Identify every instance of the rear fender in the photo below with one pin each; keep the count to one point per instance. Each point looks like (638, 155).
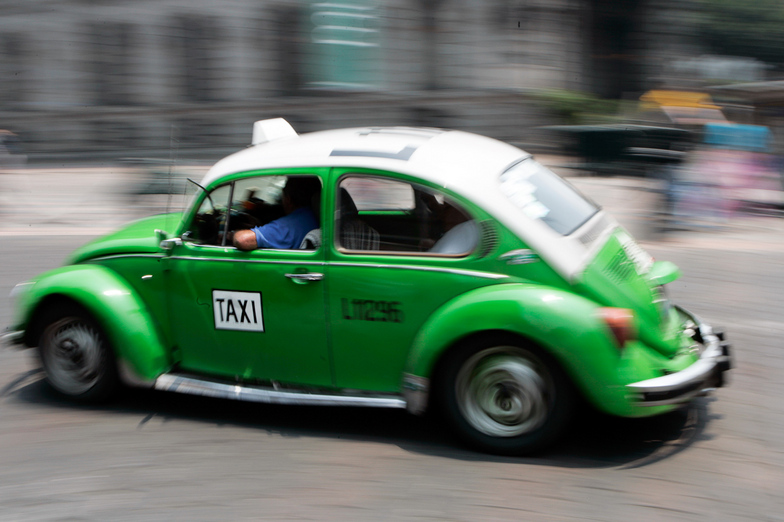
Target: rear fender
(564, 324)
(113, 303)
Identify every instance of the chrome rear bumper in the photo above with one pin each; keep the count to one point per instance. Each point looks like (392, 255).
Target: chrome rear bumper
(702, 377)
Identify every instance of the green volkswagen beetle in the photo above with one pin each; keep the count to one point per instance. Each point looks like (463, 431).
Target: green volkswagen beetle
(431, 270)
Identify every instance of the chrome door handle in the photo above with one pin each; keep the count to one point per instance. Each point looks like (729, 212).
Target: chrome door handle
(305, 278)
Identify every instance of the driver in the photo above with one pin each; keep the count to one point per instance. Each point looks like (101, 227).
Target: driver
(288, 231)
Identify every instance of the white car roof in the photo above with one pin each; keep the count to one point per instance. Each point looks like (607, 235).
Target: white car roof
(468, 164)
(457, 160)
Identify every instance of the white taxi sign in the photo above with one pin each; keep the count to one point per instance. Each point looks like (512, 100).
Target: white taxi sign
(237, 311)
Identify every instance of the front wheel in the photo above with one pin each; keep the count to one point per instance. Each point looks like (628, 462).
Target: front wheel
(76, 355)
(503, 397)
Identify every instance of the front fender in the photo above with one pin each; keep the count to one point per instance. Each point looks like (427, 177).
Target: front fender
(113, 303)
(564, 324)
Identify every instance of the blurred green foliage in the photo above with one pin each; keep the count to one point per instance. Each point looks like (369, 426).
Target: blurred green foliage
(750, 28)
(575, 108)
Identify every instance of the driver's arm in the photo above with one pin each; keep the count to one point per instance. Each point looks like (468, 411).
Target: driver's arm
(245, 240)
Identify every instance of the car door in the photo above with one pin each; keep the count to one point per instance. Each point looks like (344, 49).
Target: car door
(384, 280)
(255, 315)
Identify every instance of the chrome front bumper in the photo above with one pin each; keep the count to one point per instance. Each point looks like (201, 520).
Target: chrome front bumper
(702, 377)
(11, 337)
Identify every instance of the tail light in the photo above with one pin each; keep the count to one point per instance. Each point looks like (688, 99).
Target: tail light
(621, 323)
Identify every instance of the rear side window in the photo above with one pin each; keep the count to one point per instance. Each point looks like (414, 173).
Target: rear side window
(541, 194)
(379, 193)
(377, 214)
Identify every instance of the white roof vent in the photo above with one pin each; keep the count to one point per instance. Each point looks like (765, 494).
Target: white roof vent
(269, 130)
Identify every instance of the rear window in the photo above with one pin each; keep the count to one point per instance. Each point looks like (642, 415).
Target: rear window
(541, 194)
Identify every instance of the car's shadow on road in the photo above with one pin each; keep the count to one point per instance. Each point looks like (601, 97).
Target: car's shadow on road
(594, 440)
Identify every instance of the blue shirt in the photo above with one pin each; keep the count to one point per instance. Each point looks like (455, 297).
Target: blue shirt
(286, 232)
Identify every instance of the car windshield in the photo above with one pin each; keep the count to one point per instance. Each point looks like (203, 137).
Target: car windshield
(541, 194)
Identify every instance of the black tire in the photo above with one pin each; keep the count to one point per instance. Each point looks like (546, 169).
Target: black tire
(77, 357)
(504, 396)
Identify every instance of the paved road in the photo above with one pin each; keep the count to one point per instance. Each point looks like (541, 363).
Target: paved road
(164, 456)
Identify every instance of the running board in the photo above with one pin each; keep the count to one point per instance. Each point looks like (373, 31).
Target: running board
(195, 386)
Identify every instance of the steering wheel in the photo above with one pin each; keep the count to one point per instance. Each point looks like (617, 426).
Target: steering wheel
(241, 220)
(208, 226)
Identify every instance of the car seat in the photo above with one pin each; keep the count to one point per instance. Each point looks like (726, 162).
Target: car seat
(355, 234)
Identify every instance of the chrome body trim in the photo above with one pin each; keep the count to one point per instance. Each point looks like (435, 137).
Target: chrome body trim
(231, 248)
(702, 377)
(472, 273)
(258, 261)
(521, 256)
(196, 386)
(120, 256)
(456, 271)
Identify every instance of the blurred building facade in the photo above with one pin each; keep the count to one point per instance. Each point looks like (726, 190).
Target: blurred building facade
(82, 77)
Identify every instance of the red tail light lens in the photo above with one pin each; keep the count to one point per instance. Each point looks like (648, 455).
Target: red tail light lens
(621, 323)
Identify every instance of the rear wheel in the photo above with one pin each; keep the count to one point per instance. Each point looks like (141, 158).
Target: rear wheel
(504, 397)
(76, 355)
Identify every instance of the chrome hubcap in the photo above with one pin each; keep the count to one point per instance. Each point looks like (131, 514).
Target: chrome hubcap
(72, 355)
(503, 391)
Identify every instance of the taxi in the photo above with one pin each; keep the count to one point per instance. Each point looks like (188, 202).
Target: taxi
(447, 273)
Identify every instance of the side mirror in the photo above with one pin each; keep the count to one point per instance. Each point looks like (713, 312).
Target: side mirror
(169, 244)
(166, 243)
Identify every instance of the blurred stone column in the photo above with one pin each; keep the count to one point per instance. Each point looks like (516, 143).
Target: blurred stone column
(430, 10)
(13, 70)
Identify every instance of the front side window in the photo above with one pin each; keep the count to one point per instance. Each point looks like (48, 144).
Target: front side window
(386, 215)
(541, 194)
(263, 205)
